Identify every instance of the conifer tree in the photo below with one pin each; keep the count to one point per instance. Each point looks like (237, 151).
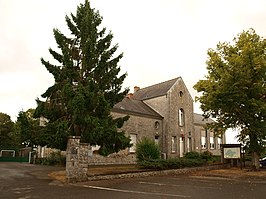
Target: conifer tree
(87, 85)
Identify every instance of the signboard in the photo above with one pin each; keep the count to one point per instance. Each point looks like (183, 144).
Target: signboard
(232, 153)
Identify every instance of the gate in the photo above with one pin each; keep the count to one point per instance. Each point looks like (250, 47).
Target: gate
(16, 155)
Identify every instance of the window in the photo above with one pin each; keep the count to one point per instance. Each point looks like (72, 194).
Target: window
(156, 125)
(189, 145)
(43, 121)
(203, 143)
(181, 117)
(156, 139)
(181, 94)
(133, 141)
(212, 145)
(203, 139)
(174, 144)
(219, 141)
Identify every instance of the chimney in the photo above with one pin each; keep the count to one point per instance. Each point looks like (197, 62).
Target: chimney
(136, 88)
(129, 95)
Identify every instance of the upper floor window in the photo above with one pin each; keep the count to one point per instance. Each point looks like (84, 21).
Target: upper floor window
(156, 125)
(181, 117)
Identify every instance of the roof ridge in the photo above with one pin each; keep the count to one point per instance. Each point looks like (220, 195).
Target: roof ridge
(160, 83)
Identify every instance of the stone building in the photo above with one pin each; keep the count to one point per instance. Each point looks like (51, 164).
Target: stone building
(205, 139)
(163, 112)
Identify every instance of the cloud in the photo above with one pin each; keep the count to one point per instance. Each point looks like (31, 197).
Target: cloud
(160, 39)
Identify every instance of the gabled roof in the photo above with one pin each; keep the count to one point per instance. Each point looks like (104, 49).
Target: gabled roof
(200, 120)
(154, 90)
(136, 107)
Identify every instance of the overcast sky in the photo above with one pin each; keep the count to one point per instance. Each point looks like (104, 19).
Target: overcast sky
(160, 39)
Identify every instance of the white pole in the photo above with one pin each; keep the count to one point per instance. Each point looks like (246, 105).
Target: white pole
(29, 156)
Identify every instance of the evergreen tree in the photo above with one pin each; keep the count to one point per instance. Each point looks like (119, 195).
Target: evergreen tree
(234, 91)
(87, 85)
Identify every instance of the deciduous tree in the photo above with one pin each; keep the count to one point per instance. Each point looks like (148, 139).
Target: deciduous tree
(6, 131)
(28, 128)
(234, 91)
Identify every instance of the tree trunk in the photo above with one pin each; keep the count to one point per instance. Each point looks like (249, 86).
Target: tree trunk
(255, 161)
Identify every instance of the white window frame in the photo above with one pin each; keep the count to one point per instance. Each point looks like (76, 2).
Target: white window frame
(133, 141)
(203, 142)
(173, 144)
(212, 145)
(181, 117)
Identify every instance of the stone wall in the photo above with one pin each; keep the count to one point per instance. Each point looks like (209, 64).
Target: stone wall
(76, 160)
(122, 157)
(79, 156)
(158, 173)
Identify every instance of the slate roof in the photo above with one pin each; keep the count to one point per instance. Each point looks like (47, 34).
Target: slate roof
(137, 107)
(155, 90)
(199, 119)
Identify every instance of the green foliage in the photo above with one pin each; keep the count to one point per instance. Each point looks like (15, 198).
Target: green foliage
(206, 155)
(173, 163)
(147, 149)
(87, 86)
(7, 133)
(55, 158)
(234, 89)
(192, 155)
(190, 159)
(28, 128)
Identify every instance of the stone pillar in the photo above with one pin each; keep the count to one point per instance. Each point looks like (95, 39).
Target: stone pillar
(76, 160)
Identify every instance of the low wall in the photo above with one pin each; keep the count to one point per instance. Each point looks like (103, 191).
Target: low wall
(122, 157)
(80, 155)
(158, 173)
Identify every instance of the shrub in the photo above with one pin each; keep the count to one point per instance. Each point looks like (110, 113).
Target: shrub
(173, 163)
(55, 158)
(147, 149)
(192, 155)
(206, 155)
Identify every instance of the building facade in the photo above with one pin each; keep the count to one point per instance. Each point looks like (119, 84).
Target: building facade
(163, 112)
(206, 139)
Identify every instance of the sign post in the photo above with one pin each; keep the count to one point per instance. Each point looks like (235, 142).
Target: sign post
(231, 152)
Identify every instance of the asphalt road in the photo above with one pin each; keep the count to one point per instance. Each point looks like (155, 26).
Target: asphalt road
(26, 181)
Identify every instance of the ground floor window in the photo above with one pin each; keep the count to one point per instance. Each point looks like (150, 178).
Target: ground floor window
(212, 145)
(219, 142)
(203, 139)
(189, 145)
(203, 142)
(133, 141)
(156, 139)
(173, 144)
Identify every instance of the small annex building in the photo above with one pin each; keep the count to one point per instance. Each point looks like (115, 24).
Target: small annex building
(205, 139)
(163, 112)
